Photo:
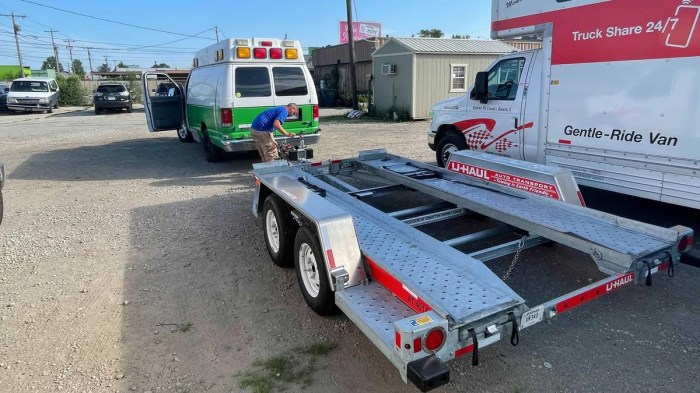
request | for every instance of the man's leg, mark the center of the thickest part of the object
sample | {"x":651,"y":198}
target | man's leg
{"x":259,"y":142}
{"x":269,"y":147}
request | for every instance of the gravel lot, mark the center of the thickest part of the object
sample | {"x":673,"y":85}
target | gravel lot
{"x":128,"y":263}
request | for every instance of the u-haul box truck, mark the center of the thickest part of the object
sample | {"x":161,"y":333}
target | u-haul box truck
{"x":613,"y":95}
{"x":231,"y":82}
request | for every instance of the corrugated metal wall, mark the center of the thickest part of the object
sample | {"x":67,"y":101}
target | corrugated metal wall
{"x":393,"y":91}
{"x":433,"y":78}
{"x":327,"y":58}
{"x":361,"y":70}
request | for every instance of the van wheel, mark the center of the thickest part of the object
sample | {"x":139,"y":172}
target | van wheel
{"x":55,"y":106}
{"x":449,"y":144}
{"x":97,"y":111}
{"x":212,"y":153}
{"x":279,"y":228}
{"x":311,"y":273}
{"x":184,"y":135}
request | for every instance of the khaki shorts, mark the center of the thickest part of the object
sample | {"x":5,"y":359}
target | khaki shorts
{"x":266,"y":144}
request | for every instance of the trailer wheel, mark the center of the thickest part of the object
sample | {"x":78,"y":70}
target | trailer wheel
{"x":449,"y":144}
{"x":312,"y":274}
{"x":279,"y":231}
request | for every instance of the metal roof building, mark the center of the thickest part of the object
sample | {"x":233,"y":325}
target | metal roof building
{"x":412,"y":74}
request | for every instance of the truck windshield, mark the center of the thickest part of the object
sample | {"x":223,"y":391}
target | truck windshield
{"x":29,"y":86}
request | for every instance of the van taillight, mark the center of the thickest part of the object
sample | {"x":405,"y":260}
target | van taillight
{"x":275,"y":53}
{"x":226,"y":117}
{"x":686,"y":243}
{"x":260,"y":53}
{"x":315,"y":112}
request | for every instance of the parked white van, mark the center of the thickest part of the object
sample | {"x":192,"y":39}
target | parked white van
{"x":231,"y":82}
{"x":33,"y":94}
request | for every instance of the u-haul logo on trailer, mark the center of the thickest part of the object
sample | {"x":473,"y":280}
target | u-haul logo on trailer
{"x":624,"y":280}
{"x":505,"y":179}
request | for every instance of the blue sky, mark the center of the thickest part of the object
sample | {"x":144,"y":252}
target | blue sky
{"x":314,"y":23}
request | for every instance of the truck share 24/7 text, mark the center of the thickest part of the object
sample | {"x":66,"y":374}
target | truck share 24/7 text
{"x":616,"y":31}
{"x":655,"y":138}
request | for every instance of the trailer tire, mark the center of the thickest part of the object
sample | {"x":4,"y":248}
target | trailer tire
{"x":311,"y":273}
{"x":278,"y":226}
{"x":448,"y":144}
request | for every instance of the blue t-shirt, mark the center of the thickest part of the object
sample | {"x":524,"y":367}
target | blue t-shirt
{"x":265,"y":120}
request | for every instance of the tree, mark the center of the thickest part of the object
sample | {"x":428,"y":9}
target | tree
{"x":122,"y":65}
{"x":434,"y":33}
{"x":50,"y":63}
{"x":464,"y":36}
{"x":160,"y":65}
{"x":104,"y":68}
{"x":78,"y":68}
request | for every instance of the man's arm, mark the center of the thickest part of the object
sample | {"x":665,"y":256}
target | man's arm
{"x":278,"y":126}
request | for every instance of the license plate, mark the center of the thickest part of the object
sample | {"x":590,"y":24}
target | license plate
{"x":111,"y":98}
{"x":531,"y":317}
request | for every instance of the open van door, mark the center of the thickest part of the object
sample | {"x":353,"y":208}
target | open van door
{"x":163,"y":102}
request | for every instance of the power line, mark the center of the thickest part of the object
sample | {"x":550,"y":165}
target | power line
{"x":16,"y":28}
{"x":113,"y":21}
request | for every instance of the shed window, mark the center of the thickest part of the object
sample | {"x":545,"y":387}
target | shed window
{"x":458,"y":78}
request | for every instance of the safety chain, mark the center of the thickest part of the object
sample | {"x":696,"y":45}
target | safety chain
{"x":521,"y":244}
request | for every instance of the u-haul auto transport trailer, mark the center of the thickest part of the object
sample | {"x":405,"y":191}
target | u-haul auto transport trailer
{"x":357,"y":231}
{"x":612,"y":95}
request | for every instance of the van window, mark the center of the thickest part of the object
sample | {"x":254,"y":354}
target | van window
{"x":504,"y":78}
{"x":289,"y":81}
{"x":253,"y":82}
{"x":27,"y":86}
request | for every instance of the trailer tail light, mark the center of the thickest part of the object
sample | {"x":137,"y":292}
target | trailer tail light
{"x":315,"y":110}
{"x":686,"y":243}
{"x":243,"y":53}
{"x":291,"y":54}
{"x":275,"y":53}
{"x":417,"y":347}
{"x":434,"y":339}
{"x":226,"y":117}
{"x":265,"y":43}
{"x":260,"y":53}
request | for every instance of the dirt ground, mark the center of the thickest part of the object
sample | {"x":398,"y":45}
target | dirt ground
{"x":128,"y":263}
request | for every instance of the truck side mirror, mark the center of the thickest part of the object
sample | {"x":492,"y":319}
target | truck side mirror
{"x":481,"y":87}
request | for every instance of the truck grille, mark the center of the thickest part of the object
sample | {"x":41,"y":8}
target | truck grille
{"x":28,"y":101}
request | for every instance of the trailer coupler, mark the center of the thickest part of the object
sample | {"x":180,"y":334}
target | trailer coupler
{"x":428,"y":373}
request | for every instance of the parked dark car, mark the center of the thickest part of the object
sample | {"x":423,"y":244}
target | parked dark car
{"x":112,"y":96}
{"x":4,"y":89}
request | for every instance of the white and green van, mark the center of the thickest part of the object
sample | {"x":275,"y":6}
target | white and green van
{"x":231,"y":82}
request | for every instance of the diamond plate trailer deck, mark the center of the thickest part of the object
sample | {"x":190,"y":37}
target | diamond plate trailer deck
{"x":352,"y":228}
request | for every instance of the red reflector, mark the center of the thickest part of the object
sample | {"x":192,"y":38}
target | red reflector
{"x":397,"y":339}
{"x":266,"y":43}
{"x":416,"y":345}
{"x":434,"y":339}
{"x":336,"y":161}
{"x":226,"y":117}
{"x":686,"y":243}
{"x":580,"y":198}
{"x":260,"y":53}
{"x":564,"y":141}
{"x":316,"y":163}
{"x":275,"y":53}
{"x":315,"y":112}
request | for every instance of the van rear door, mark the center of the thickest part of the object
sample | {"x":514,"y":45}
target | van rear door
{"x":292,"y":86}
{"x":162,"y":101}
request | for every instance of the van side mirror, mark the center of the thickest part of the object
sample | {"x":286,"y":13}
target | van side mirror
{"x":481,"y":87}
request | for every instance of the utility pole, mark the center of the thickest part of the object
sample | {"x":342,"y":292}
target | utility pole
{"x":351,"y":48}
{"x":90,"y":61}
{"x":55,"y":50}
{"x":17,"y":28}
{"x":216,"y":29}
{"x":70,"y":51}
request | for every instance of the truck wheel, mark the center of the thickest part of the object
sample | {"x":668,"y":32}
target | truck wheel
{"x":184,"y":135}
{"x":449,"y":144}
{"x":97,"y":111}
{"x":311,"y":273}
{"x":279,"y":231}
{"x":212,"y":153}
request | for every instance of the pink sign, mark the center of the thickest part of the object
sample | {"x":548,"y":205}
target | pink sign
{"x":360,"y":31}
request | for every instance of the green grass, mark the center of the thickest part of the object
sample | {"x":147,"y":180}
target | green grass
{"x":185,"y":327}
{"x":295,"y":367}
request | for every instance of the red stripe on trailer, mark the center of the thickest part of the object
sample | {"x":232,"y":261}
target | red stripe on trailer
{"x":397,"y":339}
{"x":600,"y":290}
{"x":394,"y":286}
{"x":316,"y":163}
{"x":564,"y":141}
{"x":664,"y":265}
{"x":463,"y":351}
{"x":331,"y":260}
{"x":580,"y":198}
